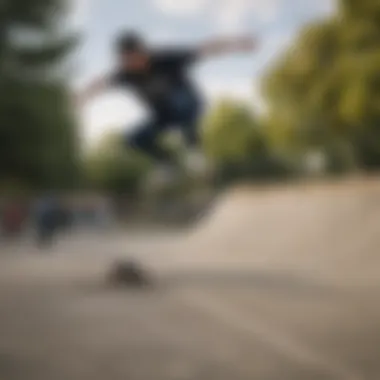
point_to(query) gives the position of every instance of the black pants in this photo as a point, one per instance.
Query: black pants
(183, 112)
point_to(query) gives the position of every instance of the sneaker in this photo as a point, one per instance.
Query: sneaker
(162, 176)
(196, 162)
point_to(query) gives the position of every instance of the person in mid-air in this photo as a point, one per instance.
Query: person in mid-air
(160, 79)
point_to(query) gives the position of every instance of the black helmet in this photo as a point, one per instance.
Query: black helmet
(129, 42)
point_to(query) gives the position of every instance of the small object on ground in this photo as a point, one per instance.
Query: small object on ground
(128, 274)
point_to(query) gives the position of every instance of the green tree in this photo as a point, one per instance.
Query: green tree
(38, 142)
(235, 142)
(325, 91)
(230, 133)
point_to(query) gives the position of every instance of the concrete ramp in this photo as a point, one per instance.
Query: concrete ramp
(249, 295)
(330, 231)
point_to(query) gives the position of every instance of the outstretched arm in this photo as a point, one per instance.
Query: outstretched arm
(227, 46)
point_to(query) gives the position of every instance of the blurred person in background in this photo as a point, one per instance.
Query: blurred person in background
(160, 78)
(13, 217)
(47, 218)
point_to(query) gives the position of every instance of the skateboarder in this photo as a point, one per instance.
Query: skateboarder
(159, 78)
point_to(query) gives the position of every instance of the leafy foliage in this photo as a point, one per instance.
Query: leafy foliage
(325, 91)
(38, 142)
(230, 133)
(236, 143)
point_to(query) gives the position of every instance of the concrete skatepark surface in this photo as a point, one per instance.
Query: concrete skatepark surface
(273, 284)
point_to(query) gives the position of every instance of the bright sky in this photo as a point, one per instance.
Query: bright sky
(185, 22)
